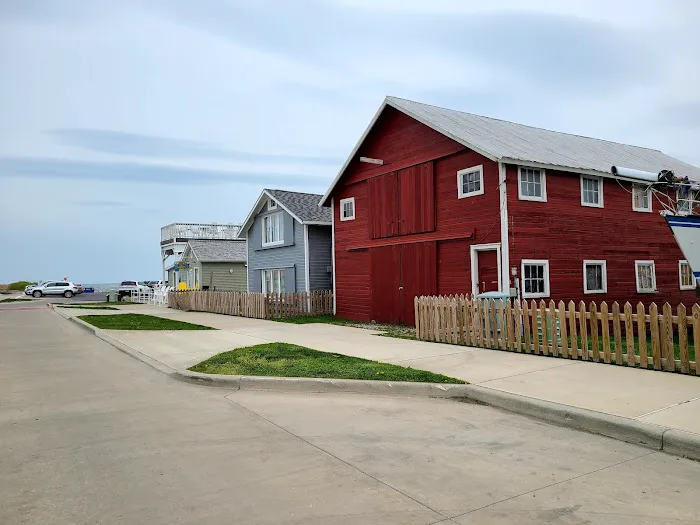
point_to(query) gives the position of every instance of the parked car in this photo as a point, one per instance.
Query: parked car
(126, 287)
(65, 288)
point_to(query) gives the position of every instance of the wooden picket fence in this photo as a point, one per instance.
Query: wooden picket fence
(251, 304)
(624, 336)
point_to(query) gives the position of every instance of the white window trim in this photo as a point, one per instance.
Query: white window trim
(262, 278)
(281, 224)
(604, 264)
(680, 276)
(648, 192)
(600, 192)
(272, 204)
(544, 185)
(460, 185)
(653, 275)
(531, 295)
(342, 202)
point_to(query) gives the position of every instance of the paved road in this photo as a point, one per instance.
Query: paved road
(88, 435)
(44, 301)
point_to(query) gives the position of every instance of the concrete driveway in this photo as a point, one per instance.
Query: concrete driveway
(89, 435)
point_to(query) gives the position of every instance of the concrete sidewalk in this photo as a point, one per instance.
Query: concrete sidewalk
(671, 400)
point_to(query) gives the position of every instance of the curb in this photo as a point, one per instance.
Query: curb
(648, 435)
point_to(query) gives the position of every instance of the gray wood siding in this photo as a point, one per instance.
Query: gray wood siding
(320, 258)
(288, 255)
(218, 276)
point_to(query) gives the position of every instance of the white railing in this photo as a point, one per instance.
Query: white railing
(155, 297)
(199, 231)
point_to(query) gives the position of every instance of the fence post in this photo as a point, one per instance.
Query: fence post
(655, 336)
(595, 339)
(517, 314)
(573, 353)
(510, 339)
(502, 326)
(562, 330)
(642, 335)
(553, 336)
(526, 327)
(535, 330)
(629, 335)
(544, 347)
(605, 327)
(683, 339)
(617, 333)
(667, 338)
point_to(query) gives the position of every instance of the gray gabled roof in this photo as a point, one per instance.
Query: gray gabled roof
(229, 250)
(508, 142)
(304, 207)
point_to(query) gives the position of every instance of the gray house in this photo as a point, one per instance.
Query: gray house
(289, 243)
(213, 265)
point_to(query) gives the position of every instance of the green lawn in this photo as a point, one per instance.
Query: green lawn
(389, 330)
(10, 300)
(139, 322)
(623, 345)
(287, 360)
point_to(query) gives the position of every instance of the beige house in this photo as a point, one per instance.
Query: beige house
(212, 265)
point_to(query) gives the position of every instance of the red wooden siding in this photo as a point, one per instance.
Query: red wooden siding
(418, 276)
(400, 142)
(457, 223)
(383, 205)
(417, 199)
(566, 233)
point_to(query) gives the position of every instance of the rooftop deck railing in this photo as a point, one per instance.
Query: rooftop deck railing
(184, 230)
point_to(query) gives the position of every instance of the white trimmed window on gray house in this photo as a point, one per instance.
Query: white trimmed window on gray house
(470, 182)
(595, 277)
(535, 278)
(347, 209)
(685, 275)
(645, 275)
(591, 191)
(272, 229)
(641, 198)
(273, 281)
(532, 184)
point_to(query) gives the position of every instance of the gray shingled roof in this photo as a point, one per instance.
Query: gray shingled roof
(508, 140)
(229, 250)
(303, 205)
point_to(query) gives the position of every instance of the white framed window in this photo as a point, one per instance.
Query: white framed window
(470, 182)
(591, 191)
(532, 184)
(272, 230)
(347, 209)
(686, 201)
(273, 281)
(645, 275)
(595, 277)
(535, 278)
(272, 204)
(685, 275)
(641, 198)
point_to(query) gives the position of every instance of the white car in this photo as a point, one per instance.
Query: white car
(65, 288)
(126, 287)
(29, 289)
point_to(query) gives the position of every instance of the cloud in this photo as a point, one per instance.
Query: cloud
(680, 114)
(102, 204)
(47, 168)
(140, 145)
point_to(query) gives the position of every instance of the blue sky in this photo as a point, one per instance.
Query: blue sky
(117, 118)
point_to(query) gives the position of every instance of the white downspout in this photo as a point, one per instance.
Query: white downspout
(333, 251)
(505, 248)
(306, 257)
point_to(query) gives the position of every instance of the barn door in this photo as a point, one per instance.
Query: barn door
(386, 281)
(399, 274)
(417, 199)
(418, 276)
(383, 205)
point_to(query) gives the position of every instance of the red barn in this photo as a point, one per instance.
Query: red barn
(436, 201)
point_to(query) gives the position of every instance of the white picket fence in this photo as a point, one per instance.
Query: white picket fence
(152, 296)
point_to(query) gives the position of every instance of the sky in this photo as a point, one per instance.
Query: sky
(117, 118)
